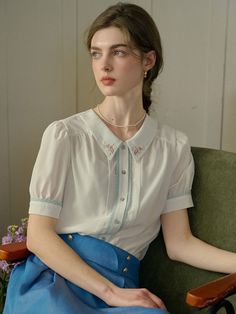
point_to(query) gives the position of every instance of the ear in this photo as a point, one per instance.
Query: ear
(149, 60)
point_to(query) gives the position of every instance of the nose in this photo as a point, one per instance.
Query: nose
(107, 64)
(107, 68)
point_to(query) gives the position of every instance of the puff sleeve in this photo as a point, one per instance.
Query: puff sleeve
(179, 193)
(50, 172)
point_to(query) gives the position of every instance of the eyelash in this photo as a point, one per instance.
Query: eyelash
(119, 53)
(122, 52)
(94, 54)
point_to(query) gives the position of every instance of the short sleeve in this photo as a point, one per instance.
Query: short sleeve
(179, 193)
(50, 172)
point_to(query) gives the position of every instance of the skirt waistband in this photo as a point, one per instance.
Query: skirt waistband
(103, 253)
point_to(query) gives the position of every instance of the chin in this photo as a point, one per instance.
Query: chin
(109, 92)
(113, 91)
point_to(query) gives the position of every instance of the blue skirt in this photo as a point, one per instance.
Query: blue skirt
(36, 289)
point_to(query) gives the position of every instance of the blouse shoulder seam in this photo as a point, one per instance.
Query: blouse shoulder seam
(172, 135)
(79, 132)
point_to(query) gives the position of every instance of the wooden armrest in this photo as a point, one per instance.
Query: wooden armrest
(13, 251)
(212, 292)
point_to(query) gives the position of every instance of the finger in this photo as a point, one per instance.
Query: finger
(158, 301)
(144, 299)
(148, 303)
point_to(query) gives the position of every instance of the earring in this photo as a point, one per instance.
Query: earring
(145, 74)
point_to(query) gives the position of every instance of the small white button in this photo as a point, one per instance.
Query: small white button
(125, 270)
(122, 199)
(123, 171)
(70, 237)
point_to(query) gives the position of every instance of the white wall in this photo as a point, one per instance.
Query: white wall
(45, 75)
(189, 93)
(229, 93)
(37, 86)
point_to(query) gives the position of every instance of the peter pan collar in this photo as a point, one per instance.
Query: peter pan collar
(109, 142)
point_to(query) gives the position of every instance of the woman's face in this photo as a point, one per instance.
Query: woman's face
(118, 70)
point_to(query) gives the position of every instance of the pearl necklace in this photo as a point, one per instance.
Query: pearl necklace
(121, 126)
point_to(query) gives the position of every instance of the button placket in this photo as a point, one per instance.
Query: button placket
(123, 188)
(136, 189)
(124, 178)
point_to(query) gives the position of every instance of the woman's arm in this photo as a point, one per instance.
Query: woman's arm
(43, 241)
(182, 246)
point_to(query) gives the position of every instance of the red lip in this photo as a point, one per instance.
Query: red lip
(107, 80)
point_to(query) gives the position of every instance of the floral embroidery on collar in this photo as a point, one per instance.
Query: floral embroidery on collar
(137, 150)
(109, 148)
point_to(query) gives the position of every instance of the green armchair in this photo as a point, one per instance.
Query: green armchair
(213, 219)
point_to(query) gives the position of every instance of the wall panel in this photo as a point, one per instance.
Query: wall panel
(189, 92)
(229, 112)
(40, 84)
(4, 148)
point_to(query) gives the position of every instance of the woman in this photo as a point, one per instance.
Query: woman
(103, 183)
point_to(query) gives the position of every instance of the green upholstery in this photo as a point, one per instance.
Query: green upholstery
(213, 219)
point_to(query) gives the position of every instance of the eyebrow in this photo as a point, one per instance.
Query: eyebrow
(111, 47)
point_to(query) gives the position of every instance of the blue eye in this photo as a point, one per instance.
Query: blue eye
(95, 54)
(119, 53)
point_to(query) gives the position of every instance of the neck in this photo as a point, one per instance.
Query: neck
(121, 126)
(121, 113)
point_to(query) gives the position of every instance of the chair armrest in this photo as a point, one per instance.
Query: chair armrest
(212, 292)
(13, 251)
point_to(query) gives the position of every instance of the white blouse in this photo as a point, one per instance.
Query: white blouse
(98, 185)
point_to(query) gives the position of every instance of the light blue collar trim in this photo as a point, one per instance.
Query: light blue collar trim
(109, 142)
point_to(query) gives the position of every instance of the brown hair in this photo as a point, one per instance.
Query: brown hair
(143, 33)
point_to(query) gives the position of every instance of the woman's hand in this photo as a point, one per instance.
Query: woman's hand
(133, 297)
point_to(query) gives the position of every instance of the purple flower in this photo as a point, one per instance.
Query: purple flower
(19, 231)
(20, 235)
(5, 267)
(14, 234)
(7, 239)
(19, 238)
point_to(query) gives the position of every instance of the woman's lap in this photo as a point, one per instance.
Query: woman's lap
(36, 289)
